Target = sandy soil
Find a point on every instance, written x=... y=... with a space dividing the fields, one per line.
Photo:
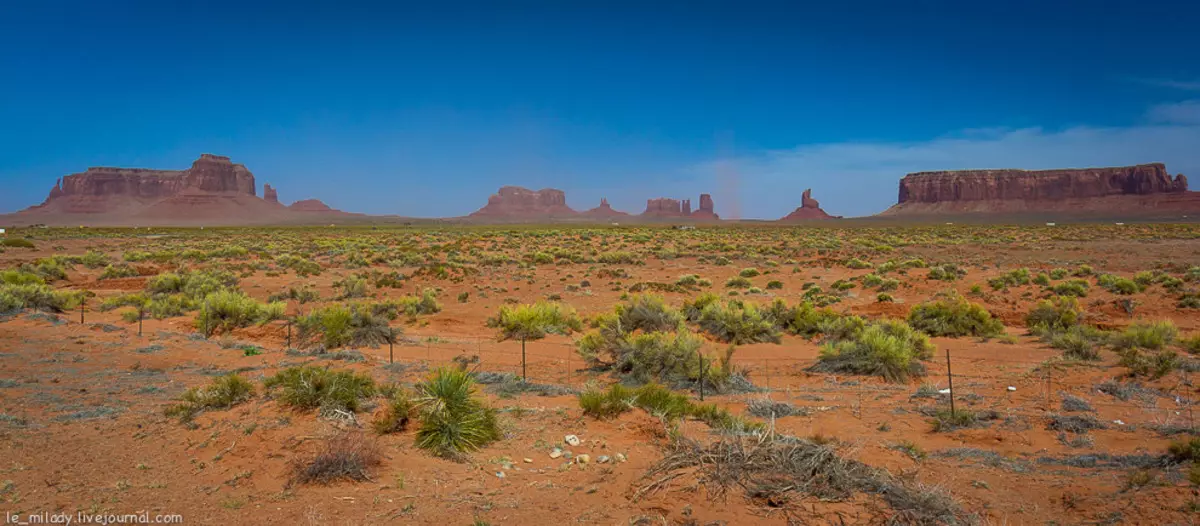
x=81 y=405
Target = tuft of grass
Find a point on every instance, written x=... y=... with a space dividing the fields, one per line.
x=358 y=324
x=310 y=387
x=946 y=420
x=532 y=322
x=1146 y=335
x=1058 y=313
x=16 y=242
x=601 y=404
x=224 y=392
x=954 y=317
x=228 y=310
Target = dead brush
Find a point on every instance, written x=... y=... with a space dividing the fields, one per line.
x=346 y=455
x=779 y=471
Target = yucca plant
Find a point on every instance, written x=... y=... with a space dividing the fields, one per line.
x=453 y=420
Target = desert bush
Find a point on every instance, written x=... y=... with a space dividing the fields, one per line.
x=118 y=271
x=1054 y=314
x=351 y=287
x=532 y=322
x=229 y=310
x=692 y=309
x=302 y=267
x=646 y=312
x=334 y=326
x=1076 y=287
x=945 y=420
x=49 y=269
x=890 y=349
x=738 y=323
x=347 y=455
x=1146 y=335
x=1010 y=279
x=1185 y=450
x=224 y=392
x=310 y=387
x=453 y=419
x=737 y=282
x=1077 y=342
x=1156 y=365
x=38 y=297
x=411 y=306
x=947 y=272
x=774 y=285
x=954 y=316
x=16 y=242
x=19 y=277
x=397 y=413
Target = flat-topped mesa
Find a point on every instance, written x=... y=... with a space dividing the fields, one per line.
x=809 y=209
x=514 y=201
x=663 y=207
x=209 y=173
x=310 y=205
x=1040 y=185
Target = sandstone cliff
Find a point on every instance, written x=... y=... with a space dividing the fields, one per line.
x=1144 y=189
x=514 y=202
x=269 y=194
x=809 y=209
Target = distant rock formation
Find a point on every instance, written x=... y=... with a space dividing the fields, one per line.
x=604 y=211
x=514 y=202
x=310 y=205
x=269 y=194
x=1125 y=190
x=809 y=209
x=706 y=211
x=213 y=191
x=665 y=207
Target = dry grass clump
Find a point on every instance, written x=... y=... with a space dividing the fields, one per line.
x=310 y=387
x=954 y=316
x=889 y=349
x=347 y=455
x=779 y=472
x=224 y=392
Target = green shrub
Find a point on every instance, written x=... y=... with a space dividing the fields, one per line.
x=453 y=419
x=224 y=392
x=414 y=306
x=337 y=326
x=1076 y=287
x=1059 y=313
x=858 y=264
x=946 y=420
x=38 y=297
x=230 y=310
x=884 y=297
x=16 y=242
x=1010 y=279
x=693 y=309
x=1155 y=365
x=20 y=277
x=890 y=349
x=1042 y=279
x=1185 y=450
x=774 y=285
x=351 y=287
x=954 y=317
x=1077 y=342
x=738 y=283
x=646 y=312
x=947 y=272
x=1143 y=335
x=310 y=387
x=738 y=323
x=809 y=321
x=118 y=271
x=749 y=272
x=1191 y=344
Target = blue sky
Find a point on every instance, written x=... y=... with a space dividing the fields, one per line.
x=424 y=109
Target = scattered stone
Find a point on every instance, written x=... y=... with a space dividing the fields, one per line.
x=583 y=459
x=499 y=474
x=555 y=453
x=620 y=457
x=528 y=461
x=602 y=459
x=572 y=440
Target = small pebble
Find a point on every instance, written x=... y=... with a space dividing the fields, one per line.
x=583 y=459
x=572 y=440
x=602 y=459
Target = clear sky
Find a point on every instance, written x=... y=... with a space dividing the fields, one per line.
x=424 y=109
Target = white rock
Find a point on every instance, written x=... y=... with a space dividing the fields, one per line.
x=1118 y=422
x=1011 y=388
x=529 y=461
x=572 y=440
x=583 y=459
x=602 y=459
x=499 y=474
x=620 y=457
x=944 y=391
x=555 y=453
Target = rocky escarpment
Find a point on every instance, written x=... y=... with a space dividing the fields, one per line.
x=270 y=194
x=809 y=209
x=1116 y=190
x=514 y=202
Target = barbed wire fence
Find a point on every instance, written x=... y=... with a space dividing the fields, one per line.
x=1035 y=384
